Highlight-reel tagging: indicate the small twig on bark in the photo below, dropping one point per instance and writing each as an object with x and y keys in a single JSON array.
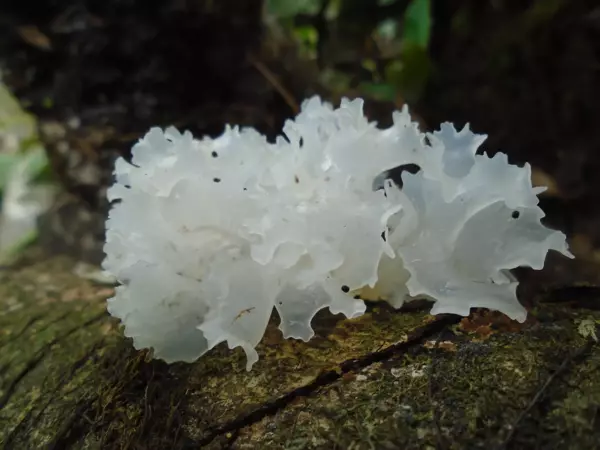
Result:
[{"x": 274, "y": 81}]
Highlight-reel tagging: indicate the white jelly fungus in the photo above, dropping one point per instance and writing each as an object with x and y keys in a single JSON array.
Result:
[{"x": 207, "y": 236}]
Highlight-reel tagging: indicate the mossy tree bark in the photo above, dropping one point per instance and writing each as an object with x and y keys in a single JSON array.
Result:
[{"x": 68, "y": 379}]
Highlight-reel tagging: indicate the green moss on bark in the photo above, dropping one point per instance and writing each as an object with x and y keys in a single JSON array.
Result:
[
  {"x": 464, "y": 395},
  {"x": 68, "y": 379}
]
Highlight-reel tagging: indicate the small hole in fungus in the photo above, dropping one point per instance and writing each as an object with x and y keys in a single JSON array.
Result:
[
  {"x": 296, "y": 179},
  {"x": 214, "y": 154},
  {"x": 345, "y": 288},
  {"x": 515, "y": 214},
  {"x": 217, "y": 180},
  {"x": 357, "y": 297}
]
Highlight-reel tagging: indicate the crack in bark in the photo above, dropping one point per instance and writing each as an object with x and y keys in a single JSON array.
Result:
[
  {"x": 5, "y": 367},
  {"x": 327, "y": 378},
  {"x": 577, "y": 357},
  {"x": 40, "y": 355},
  {"x": 39, "y": 330},
  {"x": 53, "y": 322},
  {"x": 61, "y": 383},
  {"x": 21, "y": 332}
]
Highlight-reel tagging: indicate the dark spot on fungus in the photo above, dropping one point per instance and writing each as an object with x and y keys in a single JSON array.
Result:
[
  {"x": 515, "y": 214},
  {"x": 214, "y": 154},
  {"x": 217, "y": 180},
  {"x": 357, "y": 297},
  {"x": 296, "y": 179},
  {"x": 395, "y": 174},
  {"x": 345, "y": 288}
]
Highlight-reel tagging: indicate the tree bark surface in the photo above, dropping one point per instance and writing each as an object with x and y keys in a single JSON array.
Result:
[{"x": 69, "y": 380}]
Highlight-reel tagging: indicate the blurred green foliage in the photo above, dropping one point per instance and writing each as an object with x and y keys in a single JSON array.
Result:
[
  {"x": 376, "y": 48},
  {"x": 290, "y": 8},
  {"x": 18, "y": 142},
  {"x": 24, "y": 173},
  {"x": 35, "y": 162}
]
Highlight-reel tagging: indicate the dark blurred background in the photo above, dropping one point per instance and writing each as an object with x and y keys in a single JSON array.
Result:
[{"x": 97, "y": 74}]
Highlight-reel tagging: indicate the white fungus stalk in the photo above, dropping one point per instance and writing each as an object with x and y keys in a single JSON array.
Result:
[{"x": 207, "y": 236}]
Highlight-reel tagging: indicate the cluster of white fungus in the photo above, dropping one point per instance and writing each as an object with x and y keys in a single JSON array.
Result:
[{"x": 207, "y": 236}]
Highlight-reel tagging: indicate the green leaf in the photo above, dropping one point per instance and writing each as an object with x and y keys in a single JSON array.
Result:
[
  {"x": 307, "y": 37},
  {"x": 7, "y": 162},
  {"x": 417, "y": 23},
  {"x": 35, "y": 160}
]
